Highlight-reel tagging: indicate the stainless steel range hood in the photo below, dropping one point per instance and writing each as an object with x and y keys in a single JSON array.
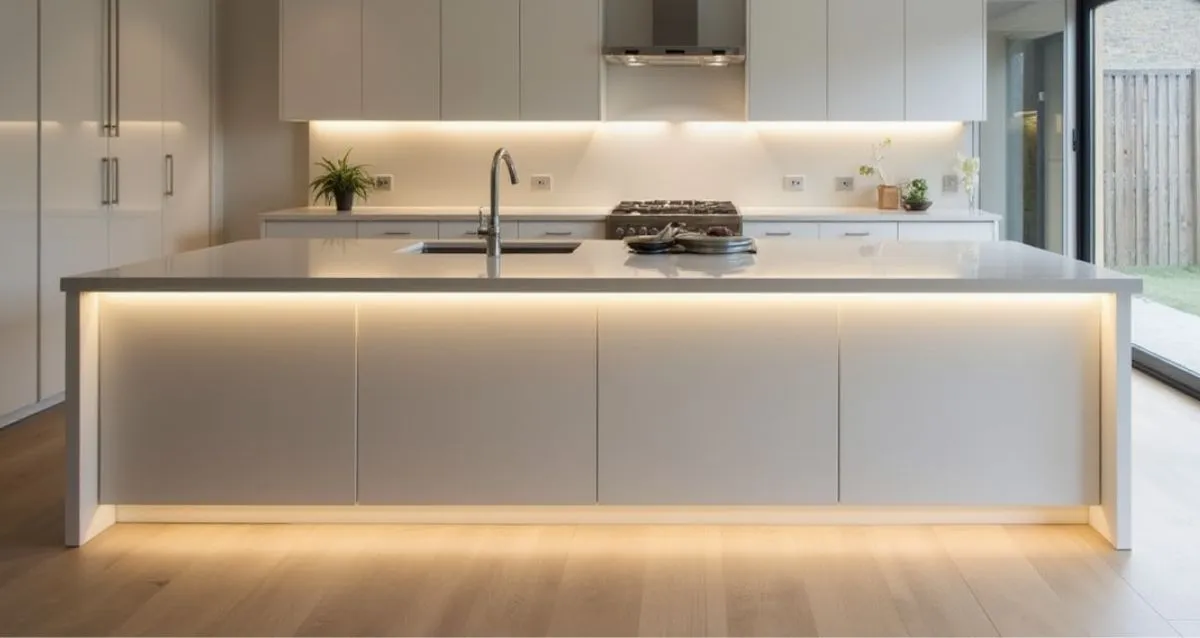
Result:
[{"x": 677, "y": 41}]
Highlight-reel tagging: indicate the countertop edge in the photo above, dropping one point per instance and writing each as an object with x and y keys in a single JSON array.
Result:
[
  {"x": 604, "y": 286},
  {"x": 595, "y": 214}
]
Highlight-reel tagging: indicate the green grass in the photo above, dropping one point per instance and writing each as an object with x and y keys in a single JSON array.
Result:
[{"x": 1174, "y": 286}]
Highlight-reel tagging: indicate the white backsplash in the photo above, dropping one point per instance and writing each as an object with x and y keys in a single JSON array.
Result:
[{"x": 446, "y": 164}]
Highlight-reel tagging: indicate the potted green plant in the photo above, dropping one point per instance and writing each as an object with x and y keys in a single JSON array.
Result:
[
  {"x": 916, "y": 195},
  {"x": 341, "y": 183}
]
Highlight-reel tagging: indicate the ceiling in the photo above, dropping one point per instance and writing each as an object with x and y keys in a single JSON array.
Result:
[{"x": 998, "y": 8}]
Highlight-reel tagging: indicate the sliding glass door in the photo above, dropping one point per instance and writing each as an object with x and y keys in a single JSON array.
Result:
[{"x": 1145, "y": 169}]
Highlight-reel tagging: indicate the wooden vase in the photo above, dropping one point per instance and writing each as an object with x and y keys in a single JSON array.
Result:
[{"x": 889, "y": 197}]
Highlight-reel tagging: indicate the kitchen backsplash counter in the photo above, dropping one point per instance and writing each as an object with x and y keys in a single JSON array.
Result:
[{"x": 600, "y": 213}]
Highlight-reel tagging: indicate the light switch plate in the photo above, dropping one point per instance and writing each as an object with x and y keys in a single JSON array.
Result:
[
  {"x": 542, "y": 182},
  {"x": 794, "y": 183},
  {"x": 950, "y": 183},
  {"x": 843, "y": 184},
  {"x": 384, "y": 182}
]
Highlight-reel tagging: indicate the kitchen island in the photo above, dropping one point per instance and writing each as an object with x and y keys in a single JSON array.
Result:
[{"x": 834, "y": 382}]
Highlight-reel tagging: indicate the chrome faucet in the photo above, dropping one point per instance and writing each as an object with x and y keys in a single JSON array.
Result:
[{"x": 490, "y": 230}]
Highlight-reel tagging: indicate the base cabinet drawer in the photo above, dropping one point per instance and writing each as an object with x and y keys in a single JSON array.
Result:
[
  {"x": 948, "y": 231},
  {"x": 311, "y": 230},
  {"x": 470, "y": 230},
  {"x": 398, "y": 230},
  {"x": 562, "y": 230},
  {"x": 879, "y": 231},
  {"x": 782, "y": 230}
]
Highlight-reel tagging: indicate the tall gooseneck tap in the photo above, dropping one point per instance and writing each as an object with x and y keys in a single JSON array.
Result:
[{"x": 491, "y": 231}]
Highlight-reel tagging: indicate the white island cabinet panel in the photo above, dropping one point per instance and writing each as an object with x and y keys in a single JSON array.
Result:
[
  {"x": 402, "y": 75},
  {"x": 481, "y": 60},
  {"x": 971, "y": 400},
  {"x": 732, "y": 403},
  {"x": 225, "y": 400},
  {"x": 944, "y": 57},
  {"x": 321, "y": 59},
  {"x": 561, "y": 63},
  {"x": 787, "y": 63},
  {"x": 866, "y": 60},
  {"x": 476, "y": 401}
]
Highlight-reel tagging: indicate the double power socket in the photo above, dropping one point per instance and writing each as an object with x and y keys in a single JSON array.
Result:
[{"x": 798, "y": 183}]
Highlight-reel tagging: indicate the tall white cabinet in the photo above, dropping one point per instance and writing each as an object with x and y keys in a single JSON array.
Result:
[
  {"x": 125, "y": 111},
  {"x": 18, "y": 205}
]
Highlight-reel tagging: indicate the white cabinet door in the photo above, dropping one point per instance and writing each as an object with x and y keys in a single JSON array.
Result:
[
  {"x": 74, "y": 222},
  {"x": 311, "y": 230},
  {"x": 402, "y": 66},
  {"x": 945, "y": 60},
  {"x": 675, "y": 431},
  {"x": 470, "y": 230},
  {"x": 866, "y": 60},
  {"x": 481, "y": 60},
  {"x": 135, "y": 230},
  {"x": 787, "y": 61},
  {"x": 19, "y": 204},
  {"x": 948, "y": 231},
  {"x": 875, "y": 231},
  {"x": 398, "y": 230},
  {"x": 321, "y": 59},
  {"x": 562, "y": 230},
  {"x": 476, "y": 400},
  {"x": 212, "y": 401},
  {"x": 187, "y": 95},
  {"x": 780, "y": 230},
  {"x": 967, "y": 401},
  {"x": 561, "y": 61}
]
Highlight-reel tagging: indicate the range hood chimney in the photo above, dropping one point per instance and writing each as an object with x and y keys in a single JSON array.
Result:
[{"x": 676, "y": 41}]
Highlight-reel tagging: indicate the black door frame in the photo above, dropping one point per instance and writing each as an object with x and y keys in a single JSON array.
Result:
[{"x": 1178, "y": 377}]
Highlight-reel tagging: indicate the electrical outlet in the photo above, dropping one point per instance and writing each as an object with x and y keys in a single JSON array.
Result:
[
  {"x": 843, "y": 184},
  {"x": 542, "y": 182},
  {"x": 793, "y": 183},
  {"x": 950, "y": 183},
  {"x": 384, "y": 182}
]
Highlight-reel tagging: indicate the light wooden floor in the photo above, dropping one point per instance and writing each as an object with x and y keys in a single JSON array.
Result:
[{"x": 189, "y": 580}]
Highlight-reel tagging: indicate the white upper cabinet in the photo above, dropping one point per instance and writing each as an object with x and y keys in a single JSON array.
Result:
[
  {"x": 945, "y": 60},
  {"x": 402, "y": 67},
  {"x": 561, "y": 64},
  {"x": 787, "y": 61},
  {"x": 321, "y": 59},
  {"x": 866, "y": 60},
  {"x": 481, "y": 60}
]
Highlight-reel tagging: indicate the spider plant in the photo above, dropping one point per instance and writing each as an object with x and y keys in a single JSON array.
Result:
[{"x": 341, "y": 182}]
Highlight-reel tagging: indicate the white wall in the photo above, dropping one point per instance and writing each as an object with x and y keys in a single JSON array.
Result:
[
  {"x": 601, "y": 164},
  {"x": 264, "y": 159}
]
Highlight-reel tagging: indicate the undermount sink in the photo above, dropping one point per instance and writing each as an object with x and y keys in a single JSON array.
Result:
[{"x": 506, "y": 247}]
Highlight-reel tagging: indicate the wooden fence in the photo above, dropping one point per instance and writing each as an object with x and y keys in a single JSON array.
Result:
[{"x": 1151, "y": 167}]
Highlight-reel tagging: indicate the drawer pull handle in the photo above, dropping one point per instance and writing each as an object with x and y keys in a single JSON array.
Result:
[
  {"x": 399, "y": 233},
  {"x": 559, "y": 233},
  {"x": 862, "y": 234},
  {"x": 780, "y": 234}
]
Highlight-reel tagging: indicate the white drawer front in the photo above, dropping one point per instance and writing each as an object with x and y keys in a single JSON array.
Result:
[
  {"x": 948, "y": 231},
  {"x": 470, "y": 230},
  {"x": 562, "y": 230},
  {"x": 782, "y": 230},
  {"x": 860, "y": 230},
  {"x": 398, "y": 230},
  {"x": 311, "y": 230}
]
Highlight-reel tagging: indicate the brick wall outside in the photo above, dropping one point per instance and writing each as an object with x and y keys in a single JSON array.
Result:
[{"x": 1151, "y": 34}]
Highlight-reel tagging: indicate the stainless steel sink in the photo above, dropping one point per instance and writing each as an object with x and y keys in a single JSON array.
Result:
[{"x": 507, "y": 247}]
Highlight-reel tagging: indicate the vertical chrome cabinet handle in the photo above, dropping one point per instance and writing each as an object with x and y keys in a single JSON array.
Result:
[
  {"x": 105, "y": 182},
  {"x": 170, "y": 174},
  {"x": 106, "y": 126},
  {"x": 117, "y": 82},
  {"x": 116, "y": 181}
]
